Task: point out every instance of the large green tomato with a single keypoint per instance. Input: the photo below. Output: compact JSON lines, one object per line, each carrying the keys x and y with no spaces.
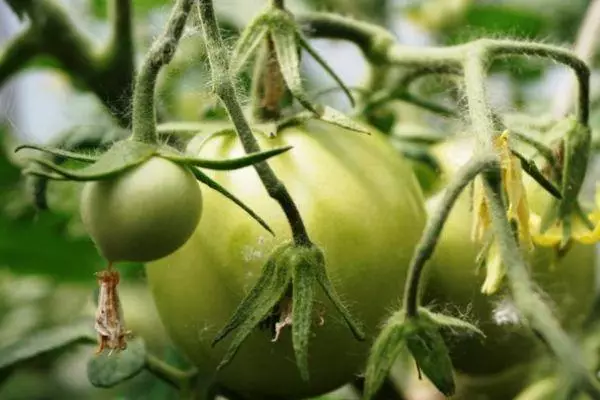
{"x":361,"y":204}
{"x":454,"y":283}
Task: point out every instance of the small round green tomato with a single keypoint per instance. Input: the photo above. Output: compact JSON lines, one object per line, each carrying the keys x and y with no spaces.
{"x":144,"y":213}
{"x":454,"y":282}
{"x":361,"y":204}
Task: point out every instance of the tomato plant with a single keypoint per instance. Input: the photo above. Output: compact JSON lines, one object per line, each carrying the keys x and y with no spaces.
{"x":346,"y":186}
{"x":144,"y":213}
{"x":455,"y":281}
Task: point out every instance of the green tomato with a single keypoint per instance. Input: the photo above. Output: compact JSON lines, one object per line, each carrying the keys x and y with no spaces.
{"x":361,"y":204}
{"x":454,"y":283}
{"x":144,"y":213}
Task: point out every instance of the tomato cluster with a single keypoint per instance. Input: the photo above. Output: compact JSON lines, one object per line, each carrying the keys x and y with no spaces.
{"x":362,"y":206}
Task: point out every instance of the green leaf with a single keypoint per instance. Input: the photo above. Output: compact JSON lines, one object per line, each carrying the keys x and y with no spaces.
{"x":59,"y":153}
{"x":121,"y":156}
{"x":106,"y":370}
{"x":228,"y":164}
{"x":384,"y":352}
{"x":43,"y":342}
{"x":248,"y":43}
{"x":306,"y":45}
{"x":268,"y":290}
{"x":426,"y":344}
{"x":202,"y":177}
{"x":303,"y":286}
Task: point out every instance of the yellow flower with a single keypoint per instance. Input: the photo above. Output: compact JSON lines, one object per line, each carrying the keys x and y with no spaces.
{"x":580,"y":232}
{"x":494,"y":270}
{"x":512,"y":182}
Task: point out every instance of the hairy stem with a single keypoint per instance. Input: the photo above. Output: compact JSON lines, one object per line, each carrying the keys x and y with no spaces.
{"x":434,"y":228}
{"x":558,"y":54}
{"x":585,"y":48}
{"x":479,"y":112}
{"x":161,"y":53}
{"x":224,"y":88}
{"x":529,"y":303}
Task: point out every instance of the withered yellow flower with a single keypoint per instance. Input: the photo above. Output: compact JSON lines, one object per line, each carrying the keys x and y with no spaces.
{"x":518,"y":211}
{"x":512,"y":182}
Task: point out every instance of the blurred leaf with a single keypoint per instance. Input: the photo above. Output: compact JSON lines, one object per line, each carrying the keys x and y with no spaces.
{"x":39,"y":243}
{"x":107,"y":370}
{"x":498,"y":21}
{"x":45,"y":341}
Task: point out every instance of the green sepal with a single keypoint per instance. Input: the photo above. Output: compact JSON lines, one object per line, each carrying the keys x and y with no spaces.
{"x":66,"y":154}
{"x":577,"y":144}
{"x":107,"y":369}
{"x":576,"y":153}
{"x":426,"y":344}
{"x":202,"y":177}
{"x":421,"y":335}
{"x":36,"y":171}
{"x":249,"y":42}
{"x":121,"y":156}
{"x":90,"y":138}
{"x":303,"y":286}
{"x":269,"y":289}
{"x":323,"y":280}
{"x":283,"y":34}
{"x":388,"y":346}
{"x":532,"y":170}
{"x":326,"y":114}
{"x":224,"y":165}
{"x":455,"y":325}
{"x":44,"y":342}
{"x":317,"y":57}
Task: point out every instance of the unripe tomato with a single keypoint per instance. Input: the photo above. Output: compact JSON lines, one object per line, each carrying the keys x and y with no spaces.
{"x":455,"y":284}
{"x":361,"y":204}
{"x":144,"y":213}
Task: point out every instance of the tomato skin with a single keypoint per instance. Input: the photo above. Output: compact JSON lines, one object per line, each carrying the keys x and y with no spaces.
{"x":144,"y":213}
{"x":361,"y":204}
{"x":454,"y":284}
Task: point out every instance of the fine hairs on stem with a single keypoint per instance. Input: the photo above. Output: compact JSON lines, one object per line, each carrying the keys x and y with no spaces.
{"x":434,"y":228}
{"x":225,"y":90}
{"x":160,"y":54}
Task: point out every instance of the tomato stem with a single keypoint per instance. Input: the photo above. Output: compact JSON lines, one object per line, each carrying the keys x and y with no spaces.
{"x":530,"y":303}
{"x":225,"y":90}
{"x":429,"y":239}
{"x":179,"y":379}
{"x":161,"y":53}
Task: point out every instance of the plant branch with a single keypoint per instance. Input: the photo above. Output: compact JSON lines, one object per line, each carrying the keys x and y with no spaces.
{"x":109,"y":74}
{"x":224,"y":88}
{"x":182,"y":380}
{"x":161,"y":53}
{"x":585,"y":48}
{"x":530,"y":304}
{"x":558,"y":54}
{"x":373,"y":40}
{"x":434,"y":228}
{"x":479,"y":112}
